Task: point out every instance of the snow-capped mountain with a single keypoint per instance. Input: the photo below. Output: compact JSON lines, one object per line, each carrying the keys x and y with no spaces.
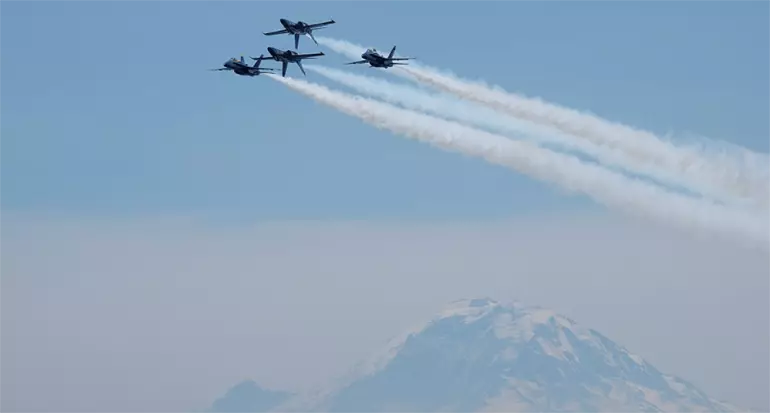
{"x":481,"y":355}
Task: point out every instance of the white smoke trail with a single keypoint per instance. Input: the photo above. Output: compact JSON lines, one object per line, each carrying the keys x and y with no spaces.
{"x":602,"y":185}
{"x":741,"y":173}
{"x":412,"y":98}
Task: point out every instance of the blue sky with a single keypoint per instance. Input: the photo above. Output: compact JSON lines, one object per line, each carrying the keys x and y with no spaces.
{"x":122,"y":118}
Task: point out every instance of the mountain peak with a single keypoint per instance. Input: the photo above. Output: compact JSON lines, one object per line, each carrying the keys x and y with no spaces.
{"x":513,"y":319}
{"x":479,"y":354}
{"x":469,"y":307}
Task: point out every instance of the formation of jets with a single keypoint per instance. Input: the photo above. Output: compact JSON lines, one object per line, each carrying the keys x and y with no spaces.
{"x":300,"y":28}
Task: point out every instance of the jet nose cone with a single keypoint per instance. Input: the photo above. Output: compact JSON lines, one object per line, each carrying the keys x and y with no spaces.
{"x":284,"y":21}
{"x":271,"y":50}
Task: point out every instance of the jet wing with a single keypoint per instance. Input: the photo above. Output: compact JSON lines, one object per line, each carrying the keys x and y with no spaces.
{"x":284,"y":31}
{"x":309,"y":55}
{"x":220,"y":69}
{"x":356,"y":63}
{"x":401,"y":58}
{"x":321,"y":25}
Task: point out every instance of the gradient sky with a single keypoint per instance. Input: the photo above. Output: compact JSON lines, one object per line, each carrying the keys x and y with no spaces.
{"x":123,"y":118}
{"x":111,"y":120}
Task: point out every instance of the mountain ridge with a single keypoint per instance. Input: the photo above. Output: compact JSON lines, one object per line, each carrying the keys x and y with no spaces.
{"x":479,"y":354}
{"x":248,"y":396}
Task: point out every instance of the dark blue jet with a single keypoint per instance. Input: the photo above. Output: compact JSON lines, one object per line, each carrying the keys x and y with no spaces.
{"x":298,"y":29}
{"x":241,"y":68}
{"x":290,"y":56}
{"x":375,"y":59}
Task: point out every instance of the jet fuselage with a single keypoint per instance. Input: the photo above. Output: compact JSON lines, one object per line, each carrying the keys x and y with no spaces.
{"x":240,"y":68}
{"x":375,"y":59}
{"x":282,"y":55}
{"x":294,"y":28}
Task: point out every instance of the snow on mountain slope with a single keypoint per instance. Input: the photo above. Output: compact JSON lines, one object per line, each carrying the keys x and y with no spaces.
{"x":481,"y":355}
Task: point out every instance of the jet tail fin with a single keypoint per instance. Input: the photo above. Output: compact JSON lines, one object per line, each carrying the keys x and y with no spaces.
{"x":392,"y":51}
{"x":310,"y":35}
{"x":299,"y":63}
{"x":258,"y":61}
{"x":296,"y":41}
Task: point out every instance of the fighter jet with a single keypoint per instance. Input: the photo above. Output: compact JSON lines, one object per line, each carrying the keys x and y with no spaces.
{"x":290,"y":56}
{"x":375,"y":59}
{"x":299,"y":28}
{"x":241,"y":68}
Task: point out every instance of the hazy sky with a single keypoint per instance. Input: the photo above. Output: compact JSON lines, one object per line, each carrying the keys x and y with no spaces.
{"x":168,"y":231}
{"x":162,"y":314}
